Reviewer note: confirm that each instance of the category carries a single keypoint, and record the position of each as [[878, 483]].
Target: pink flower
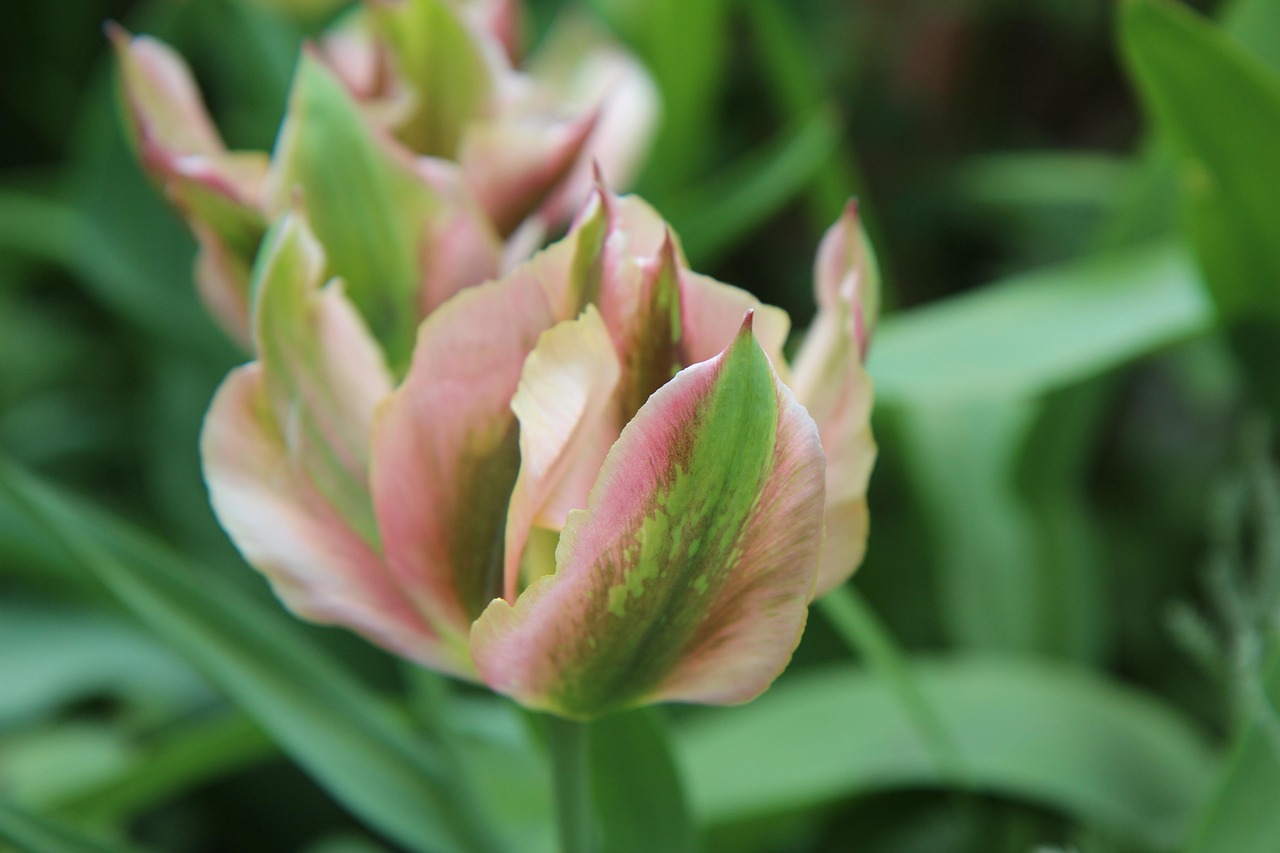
[[594, 487]]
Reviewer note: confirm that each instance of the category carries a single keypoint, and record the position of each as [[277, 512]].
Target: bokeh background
[[1076, 528]]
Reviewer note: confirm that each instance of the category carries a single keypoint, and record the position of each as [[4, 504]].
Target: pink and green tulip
[[424, 160], [594, 488]]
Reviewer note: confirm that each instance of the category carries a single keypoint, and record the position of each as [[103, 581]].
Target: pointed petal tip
[[116, 33], [748, 324], [852, 209]]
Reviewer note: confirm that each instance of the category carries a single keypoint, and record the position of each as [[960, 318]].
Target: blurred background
[[1075, 523]]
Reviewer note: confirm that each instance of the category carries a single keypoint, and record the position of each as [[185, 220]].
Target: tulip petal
[[219, 192], [318, 566], [709, 309], [561, 405], [446, 443], [324, 373], [845, 274], [445, 67], [513, 161], [832, 384], [688, 576], [286, 455], [368, 202]]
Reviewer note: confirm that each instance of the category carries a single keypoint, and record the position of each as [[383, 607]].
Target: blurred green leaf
[[1060, 738], [1040, 331], [1240, 815], [636, 786], [57, 655], [1221, 108], [799, 93], [31, 834], [43, 764], [180, 760], [721, 210], [988, 578], [316, 712]]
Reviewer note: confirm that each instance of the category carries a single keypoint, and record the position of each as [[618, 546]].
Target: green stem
[[570, 770], [858, 626]]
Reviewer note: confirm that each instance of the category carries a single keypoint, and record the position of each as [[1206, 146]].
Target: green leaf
[[637, 788], [1220, 106], [195, 754], [1040, 331], [1059, 738], [56, 655], [31, 834], [1240, 815], [315, 711], [990, 593]]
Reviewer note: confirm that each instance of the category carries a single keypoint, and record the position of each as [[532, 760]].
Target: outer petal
[[219, 192], [846, 276], [286, 450], [561, 404], [321, 568], [324, 373], [688, 576], [834, 387]]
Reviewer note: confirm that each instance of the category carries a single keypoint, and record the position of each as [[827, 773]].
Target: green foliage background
[[1076, 524]]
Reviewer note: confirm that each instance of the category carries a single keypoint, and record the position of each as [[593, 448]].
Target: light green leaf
[[1240, 815], [1220, 106], [56, 655], [315, 711], [1103, 755], [1040, 331]]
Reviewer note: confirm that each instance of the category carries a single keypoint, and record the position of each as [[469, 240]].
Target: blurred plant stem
[[864, 634], [571, 776]]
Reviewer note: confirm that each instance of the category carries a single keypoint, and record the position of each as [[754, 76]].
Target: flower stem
[[867, 637], [570, 771]]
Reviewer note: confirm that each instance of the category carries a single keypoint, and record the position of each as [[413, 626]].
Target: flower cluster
[[591, 481], [426, 161]]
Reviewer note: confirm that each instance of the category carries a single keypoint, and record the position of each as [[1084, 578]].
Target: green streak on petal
[[367, 205], [654, 354], [321, 435], [681, 558], [489, 476], [444, 67]]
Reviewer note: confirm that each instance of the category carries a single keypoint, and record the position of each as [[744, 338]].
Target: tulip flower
[[593, 488], [416, 148]]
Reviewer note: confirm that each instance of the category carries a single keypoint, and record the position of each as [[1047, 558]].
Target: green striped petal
[[371, 206], [688, 576], [285, 450], [832, 384]]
